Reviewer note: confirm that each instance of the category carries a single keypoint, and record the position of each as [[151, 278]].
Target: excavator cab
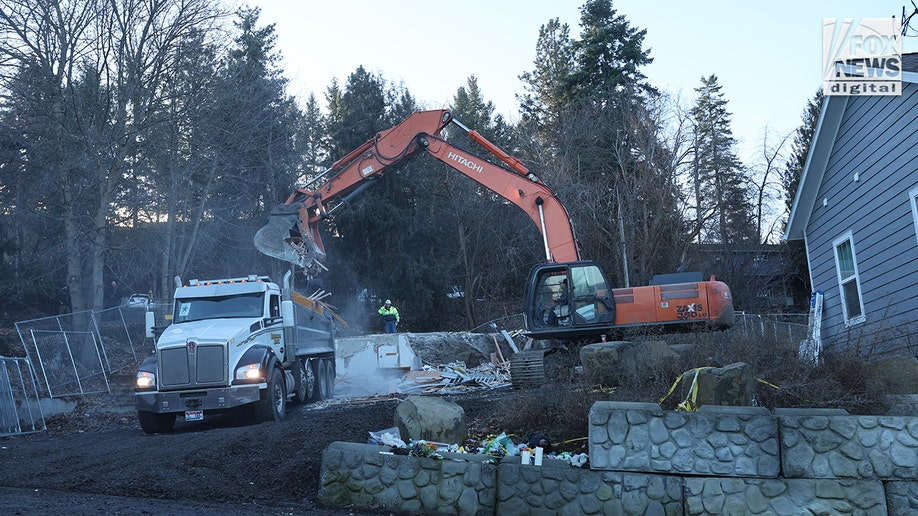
[[568, 301]]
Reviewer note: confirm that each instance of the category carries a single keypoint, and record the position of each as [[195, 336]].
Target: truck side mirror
[[287, 312], [148, 323]]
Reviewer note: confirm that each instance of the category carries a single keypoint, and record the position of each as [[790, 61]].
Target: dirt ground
[[98, 461]]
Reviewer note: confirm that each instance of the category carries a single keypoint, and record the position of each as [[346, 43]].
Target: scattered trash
[[577, 460], [424, 449], [498, 447], [387, 437]]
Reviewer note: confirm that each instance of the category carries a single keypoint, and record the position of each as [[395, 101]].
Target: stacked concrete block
[[642, 437], [557, 488], [901, 498], [366, 475], [833, 445], [783, 496], [644, 460]]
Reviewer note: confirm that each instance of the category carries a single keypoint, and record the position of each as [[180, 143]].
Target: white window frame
[[913, 201], [842, 281]]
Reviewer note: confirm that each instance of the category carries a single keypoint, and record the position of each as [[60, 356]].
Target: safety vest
[[389, 314]]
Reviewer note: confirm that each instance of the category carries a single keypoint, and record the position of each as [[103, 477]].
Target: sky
[[766, 54]]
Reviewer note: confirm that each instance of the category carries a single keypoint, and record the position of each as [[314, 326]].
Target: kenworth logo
[[471, 165]]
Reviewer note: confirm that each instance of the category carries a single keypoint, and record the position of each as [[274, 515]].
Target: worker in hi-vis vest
[[389, 316]]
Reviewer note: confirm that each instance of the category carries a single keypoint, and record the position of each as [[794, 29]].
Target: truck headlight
[[145, 380], [249, 372]]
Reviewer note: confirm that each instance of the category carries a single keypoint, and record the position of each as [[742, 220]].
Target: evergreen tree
[[602, 68], [383, 241], [490, 244], [608, 56], [180, 164], [310, 143], [800, 149], [790, 179], [256, 140], [723, 210], [252, 140], [541, 107], [356, 113], [604, 154]]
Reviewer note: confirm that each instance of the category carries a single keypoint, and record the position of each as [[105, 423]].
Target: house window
[[849, 283], [913, 200]]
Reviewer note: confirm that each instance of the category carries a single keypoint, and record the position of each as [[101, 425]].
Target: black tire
[[330, 378], [273, 402], [306, 382], [156, 423], [322, 382]]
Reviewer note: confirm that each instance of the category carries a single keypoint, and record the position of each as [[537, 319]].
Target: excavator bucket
[[281, 238]]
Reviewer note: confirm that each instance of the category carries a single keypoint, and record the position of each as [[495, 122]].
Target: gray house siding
[[877, 140]]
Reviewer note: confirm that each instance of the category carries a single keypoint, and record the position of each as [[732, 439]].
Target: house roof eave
[[833, 107]]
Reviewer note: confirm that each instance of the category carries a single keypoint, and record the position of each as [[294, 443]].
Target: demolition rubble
[[429, 363]]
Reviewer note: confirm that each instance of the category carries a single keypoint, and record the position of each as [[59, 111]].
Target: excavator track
[[527, 368]]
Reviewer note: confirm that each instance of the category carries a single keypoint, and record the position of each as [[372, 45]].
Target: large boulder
[[429, 418], [733, 385], [612, 363]]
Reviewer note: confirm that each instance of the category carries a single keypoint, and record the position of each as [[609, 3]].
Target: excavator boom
[[589, 305], [292, 233]]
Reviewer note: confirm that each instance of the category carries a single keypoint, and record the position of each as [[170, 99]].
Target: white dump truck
[[236, 342]]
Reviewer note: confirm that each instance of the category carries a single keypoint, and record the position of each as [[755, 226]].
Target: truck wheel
[[156, 423], [273, 401], [321, 382], [306, 383], [330, 378]]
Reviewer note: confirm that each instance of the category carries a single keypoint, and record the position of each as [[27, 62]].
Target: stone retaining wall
[[644, 460], [842, 446], [721, 441], [370, 476]]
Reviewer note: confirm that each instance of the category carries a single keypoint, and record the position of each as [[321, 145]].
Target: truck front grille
[[205, 366]]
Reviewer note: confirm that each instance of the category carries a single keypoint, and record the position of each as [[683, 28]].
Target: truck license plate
[[194, 415]]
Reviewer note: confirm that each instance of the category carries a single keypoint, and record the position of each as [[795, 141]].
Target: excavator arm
[[293, 231], [592, 309]]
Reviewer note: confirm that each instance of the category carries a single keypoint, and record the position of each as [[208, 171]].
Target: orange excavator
[[566, 298]]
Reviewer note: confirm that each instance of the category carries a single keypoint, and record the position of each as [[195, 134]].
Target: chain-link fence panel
[[20, 410], [122, 336], [782, 327], [69, 362], [73, 354]]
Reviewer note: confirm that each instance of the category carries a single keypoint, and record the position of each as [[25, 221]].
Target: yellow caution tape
[[690, 403], [773, 386]]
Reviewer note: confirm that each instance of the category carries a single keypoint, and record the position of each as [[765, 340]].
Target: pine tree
[[790, 179], [803, 138], [541, 107], [607, 56], [598, 121], [252, 139], [723, 209], [310, 141]]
